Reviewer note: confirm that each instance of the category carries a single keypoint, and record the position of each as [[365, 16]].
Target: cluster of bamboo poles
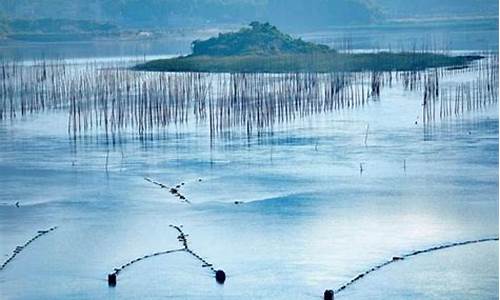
[[31, 88], [255, 103], [115, 100], [122, 99], [110, 100], [466, 96]]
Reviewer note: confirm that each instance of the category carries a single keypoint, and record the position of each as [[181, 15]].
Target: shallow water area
[[286, 215]]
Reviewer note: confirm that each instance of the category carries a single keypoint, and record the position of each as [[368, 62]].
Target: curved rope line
[[123, 267], [182, 238], [414, 253], [21, 248]]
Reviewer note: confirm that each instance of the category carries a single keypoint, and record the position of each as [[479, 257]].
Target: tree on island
[[257, 39], [262, 48]]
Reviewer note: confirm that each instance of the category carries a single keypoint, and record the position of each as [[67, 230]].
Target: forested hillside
[[22, 17], [441, 8], [295, 14]]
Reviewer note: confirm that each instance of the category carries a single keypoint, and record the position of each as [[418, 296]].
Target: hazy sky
[[290, 14]]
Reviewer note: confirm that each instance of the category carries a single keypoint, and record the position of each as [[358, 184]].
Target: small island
[[262, 48]]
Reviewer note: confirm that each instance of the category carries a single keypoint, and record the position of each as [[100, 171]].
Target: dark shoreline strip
[[414, 253], [21, 248]]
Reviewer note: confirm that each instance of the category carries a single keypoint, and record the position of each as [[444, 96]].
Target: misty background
[[154, 27]]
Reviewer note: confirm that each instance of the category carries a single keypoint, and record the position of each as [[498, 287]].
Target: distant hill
[[289, 14], [433, 8], [49, 30], [258, 39], [58, 26]]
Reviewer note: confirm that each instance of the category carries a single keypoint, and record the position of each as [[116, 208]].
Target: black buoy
[[112, 279], [220, 276], [328, 295]]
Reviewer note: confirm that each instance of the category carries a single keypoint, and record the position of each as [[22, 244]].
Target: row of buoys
[[112, 276], [172, 190], [182, 237], [175, 190], [18, 249], [220, 275], [329, 294]]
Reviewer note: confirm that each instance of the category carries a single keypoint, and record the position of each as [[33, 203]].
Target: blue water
[[309, 221]]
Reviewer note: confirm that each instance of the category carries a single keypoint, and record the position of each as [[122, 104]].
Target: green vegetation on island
[[263, 48], [321, 63], [259, 39]]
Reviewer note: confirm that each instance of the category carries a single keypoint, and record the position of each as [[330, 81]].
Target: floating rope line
[[183, 239], [329, 294], [220, 276], [172, 190], [123, 267], [21, 248]]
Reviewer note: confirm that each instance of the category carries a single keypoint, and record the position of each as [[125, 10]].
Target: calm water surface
[[310, 219]]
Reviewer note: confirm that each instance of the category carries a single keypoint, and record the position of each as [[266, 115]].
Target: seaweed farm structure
[[111, 100], [220, 275], [445, 102], [329, 293], [19, 249]]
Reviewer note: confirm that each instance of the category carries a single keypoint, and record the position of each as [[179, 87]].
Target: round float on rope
[[328, 295], [112, 279], [220, 276]]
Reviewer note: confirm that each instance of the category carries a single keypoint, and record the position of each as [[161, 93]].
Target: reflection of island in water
[[263, 48]]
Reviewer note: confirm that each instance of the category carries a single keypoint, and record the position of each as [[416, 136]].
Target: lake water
[[309, 220], [459, 34]]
